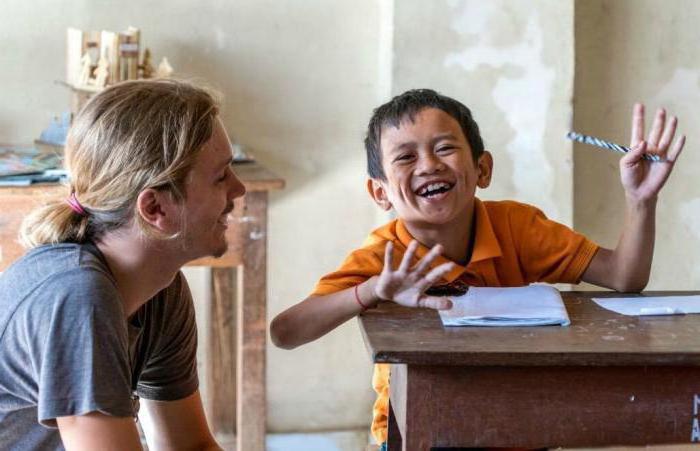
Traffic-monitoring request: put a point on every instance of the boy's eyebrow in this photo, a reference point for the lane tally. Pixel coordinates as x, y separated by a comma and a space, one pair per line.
443, 136
409, 145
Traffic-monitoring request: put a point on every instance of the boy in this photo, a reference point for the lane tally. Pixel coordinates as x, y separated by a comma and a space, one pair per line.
425, 160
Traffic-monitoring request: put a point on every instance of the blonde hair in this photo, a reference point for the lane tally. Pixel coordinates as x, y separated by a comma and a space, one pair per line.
130, 137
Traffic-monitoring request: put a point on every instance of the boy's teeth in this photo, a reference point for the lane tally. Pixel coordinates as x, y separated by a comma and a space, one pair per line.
433, 187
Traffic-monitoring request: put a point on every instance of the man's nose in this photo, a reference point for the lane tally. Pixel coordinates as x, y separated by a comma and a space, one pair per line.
237, 189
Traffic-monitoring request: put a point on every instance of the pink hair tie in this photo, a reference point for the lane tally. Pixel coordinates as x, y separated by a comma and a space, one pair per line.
75, 205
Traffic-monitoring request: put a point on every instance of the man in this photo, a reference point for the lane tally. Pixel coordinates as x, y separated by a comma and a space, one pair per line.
97, 315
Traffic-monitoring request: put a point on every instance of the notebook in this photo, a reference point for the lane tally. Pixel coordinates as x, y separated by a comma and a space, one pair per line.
534, 305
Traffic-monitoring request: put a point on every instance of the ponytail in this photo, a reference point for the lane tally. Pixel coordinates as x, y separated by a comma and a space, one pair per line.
53, 223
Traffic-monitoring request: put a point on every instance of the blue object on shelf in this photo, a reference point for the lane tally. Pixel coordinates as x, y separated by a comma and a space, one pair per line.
57, 130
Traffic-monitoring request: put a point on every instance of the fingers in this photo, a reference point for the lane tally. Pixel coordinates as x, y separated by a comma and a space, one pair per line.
389, 256
427, 259
635, 155
408, 256
667, 137
676, 149
424, 262
435, 302
656, 129
637, 124
433, 276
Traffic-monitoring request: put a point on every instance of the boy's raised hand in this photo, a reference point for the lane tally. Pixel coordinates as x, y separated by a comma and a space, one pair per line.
407, 285
643, 179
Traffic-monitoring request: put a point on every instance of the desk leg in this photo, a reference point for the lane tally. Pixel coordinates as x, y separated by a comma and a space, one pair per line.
394, 435
221, 381
411, 416
252, 327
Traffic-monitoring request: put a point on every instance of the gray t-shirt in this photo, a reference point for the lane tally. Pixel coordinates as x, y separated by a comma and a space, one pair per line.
67, 347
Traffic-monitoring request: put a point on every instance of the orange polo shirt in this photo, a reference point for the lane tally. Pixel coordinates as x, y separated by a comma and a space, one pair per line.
515, 245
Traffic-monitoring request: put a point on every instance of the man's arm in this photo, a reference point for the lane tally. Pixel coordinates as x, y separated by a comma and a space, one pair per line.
98, 431
627, 267
176, 425
168, 425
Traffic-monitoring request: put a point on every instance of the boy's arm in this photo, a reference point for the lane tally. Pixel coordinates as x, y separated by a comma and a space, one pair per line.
627, 267
315, 316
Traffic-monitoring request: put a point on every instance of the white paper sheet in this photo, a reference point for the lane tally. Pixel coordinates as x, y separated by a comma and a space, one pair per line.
534, 305
657, 305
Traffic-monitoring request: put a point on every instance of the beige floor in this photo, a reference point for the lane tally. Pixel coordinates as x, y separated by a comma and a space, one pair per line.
356, 441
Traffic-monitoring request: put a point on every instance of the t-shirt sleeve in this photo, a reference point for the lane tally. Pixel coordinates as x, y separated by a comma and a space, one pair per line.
82, 356
359, 266
549, 251
170, 373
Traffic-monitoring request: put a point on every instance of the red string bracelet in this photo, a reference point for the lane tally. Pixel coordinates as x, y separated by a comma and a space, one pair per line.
357, 298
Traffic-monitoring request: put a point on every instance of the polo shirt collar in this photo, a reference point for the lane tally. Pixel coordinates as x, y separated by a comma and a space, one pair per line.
485, 242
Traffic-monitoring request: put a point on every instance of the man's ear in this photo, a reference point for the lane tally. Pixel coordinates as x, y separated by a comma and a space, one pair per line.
378, 194
159, 209
484, 167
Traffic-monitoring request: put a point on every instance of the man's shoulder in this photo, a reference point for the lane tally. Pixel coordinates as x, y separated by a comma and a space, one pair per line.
50, 258
175, 300
56, 272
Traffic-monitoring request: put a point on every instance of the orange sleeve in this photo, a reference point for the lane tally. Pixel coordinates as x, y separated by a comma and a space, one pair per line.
359, 266
549, 251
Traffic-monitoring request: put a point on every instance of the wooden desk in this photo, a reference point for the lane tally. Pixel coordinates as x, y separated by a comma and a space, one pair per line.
236, 388
607, 379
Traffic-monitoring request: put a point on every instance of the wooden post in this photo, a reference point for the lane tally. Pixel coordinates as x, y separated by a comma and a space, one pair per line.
252, 326
222, 353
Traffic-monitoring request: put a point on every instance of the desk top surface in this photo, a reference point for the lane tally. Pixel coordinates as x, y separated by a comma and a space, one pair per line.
254, 176
596, 337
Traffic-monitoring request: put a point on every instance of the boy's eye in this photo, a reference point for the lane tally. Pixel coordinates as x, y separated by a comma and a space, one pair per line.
403, 158
444, 149
223, 177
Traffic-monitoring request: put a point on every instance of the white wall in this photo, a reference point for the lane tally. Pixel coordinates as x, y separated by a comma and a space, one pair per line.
628, 51
511, 63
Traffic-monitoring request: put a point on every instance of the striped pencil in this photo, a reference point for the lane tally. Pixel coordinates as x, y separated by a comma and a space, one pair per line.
593, 141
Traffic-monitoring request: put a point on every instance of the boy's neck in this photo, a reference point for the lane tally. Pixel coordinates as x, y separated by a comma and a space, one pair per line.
456, 237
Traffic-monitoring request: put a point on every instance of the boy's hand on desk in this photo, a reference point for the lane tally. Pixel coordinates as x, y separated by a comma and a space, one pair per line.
643, 179
407, 285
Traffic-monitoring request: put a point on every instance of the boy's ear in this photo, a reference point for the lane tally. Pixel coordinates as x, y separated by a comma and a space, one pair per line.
159, 209
378, 193
484, 167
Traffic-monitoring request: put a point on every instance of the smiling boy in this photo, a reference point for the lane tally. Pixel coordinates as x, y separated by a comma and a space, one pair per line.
425, 160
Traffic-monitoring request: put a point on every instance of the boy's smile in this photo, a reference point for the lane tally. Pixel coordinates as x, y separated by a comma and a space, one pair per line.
430, 172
